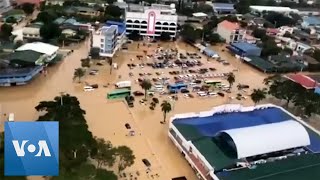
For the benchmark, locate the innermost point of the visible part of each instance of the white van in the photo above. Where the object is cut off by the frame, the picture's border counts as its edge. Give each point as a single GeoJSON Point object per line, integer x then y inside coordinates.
{"type": "Point", "coordinates": [88, 88]}
{"type": "Point", "coordinates": [123, 84]}
{"type": "Point", "coordinates": [202, 94]}
{"type": "Point", "coordinates": [11, 117]}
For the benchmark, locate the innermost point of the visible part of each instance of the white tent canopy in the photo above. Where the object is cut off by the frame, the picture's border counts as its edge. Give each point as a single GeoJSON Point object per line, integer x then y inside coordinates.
{"type": "Point", "coordinates": [262, 139]}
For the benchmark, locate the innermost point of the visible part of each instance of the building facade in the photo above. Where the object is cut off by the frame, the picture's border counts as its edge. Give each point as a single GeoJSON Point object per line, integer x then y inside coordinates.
{"type": "Point", "coordinates": [108, 39]}
{"type": "Point", "coordinates": [152, 20]}
{"type": "Point", "coordinates": [231, 32]}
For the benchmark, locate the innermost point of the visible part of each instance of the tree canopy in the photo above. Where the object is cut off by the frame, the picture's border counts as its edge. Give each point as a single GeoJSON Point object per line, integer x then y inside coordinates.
{"type": "Point", "coordinates": [77, 143]}
{"type": "Point", "coordinates": [28, 8]}
{"type": "Point", "coordinates": [6, 30]}
{"type": "Point", "coordinates": [50, 31]}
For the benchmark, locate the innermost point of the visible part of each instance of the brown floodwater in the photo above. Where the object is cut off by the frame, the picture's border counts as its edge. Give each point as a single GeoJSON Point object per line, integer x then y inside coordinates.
{"type": "Point", "coordinates": [106, 118]}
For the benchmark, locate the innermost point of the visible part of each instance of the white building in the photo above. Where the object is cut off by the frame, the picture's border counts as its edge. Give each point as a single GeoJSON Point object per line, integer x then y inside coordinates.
{"type": "Point", "coordinates": [152, 20]}
{"type": "Point", "coordinates": [260, 9]}
{"type": "Point", "coordinates": [108, 40]}
{"type": "Point", "coordinates": [44, 48]}
{"type": "Point", "coordinates": [231, 32]}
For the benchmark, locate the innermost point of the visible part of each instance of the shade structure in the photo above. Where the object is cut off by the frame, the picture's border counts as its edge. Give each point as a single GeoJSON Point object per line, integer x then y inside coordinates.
{"type": "Point", "coordinates": [262, 139]}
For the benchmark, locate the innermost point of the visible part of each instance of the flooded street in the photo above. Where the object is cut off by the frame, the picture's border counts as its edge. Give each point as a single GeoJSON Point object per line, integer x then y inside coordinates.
{"type": "Point", "coordinates": [106, 118]}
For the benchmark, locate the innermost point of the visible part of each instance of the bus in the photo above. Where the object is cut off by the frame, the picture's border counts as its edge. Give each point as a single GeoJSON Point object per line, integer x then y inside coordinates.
{"type": "Point", "coordinates": [212, 82]}
{"type": "Point", "coordinates": [119, 93]}
{"type": "Point", "coordinates": [176, 87]}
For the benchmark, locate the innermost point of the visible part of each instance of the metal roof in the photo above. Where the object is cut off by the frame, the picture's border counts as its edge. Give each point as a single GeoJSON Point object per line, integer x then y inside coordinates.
{"type": "Point", "coordinates": [262, 139]}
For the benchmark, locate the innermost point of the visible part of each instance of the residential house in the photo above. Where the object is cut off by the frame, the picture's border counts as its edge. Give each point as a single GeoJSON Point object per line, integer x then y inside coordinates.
{"type": "Point", "coordinates": [272, 31]}
{"type": "Point", "coordinates": [298, 46]}
{"type": "Point", "coordinates": [47, 49]}
{"type": "Point", "coordinates": [231, 32]}
{"type": "Point", "coordinates": [32, 31]}
{"type": "Point", "coordinates": [284, 29]}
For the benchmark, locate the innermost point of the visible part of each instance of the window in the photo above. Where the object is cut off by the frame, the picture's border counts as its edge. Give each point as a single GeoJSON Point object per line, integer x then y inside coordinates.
{"type": "Point", "coordinates": [102, 40]}
{"type": "Point", "coordinates": [101, 45]}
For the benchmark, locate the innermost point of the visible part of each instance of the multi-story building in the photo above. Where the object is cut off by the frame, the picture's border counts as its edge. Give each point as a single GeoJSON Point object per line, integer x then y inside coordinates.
{"type": "Point", "coordinates": [5, 6]}
{"type": "Point", "coordinates": [231, 32]}
{"type": "Point", "coordinates": [109, 39]}
{"type": "Point", "coordinates": [151, 20]}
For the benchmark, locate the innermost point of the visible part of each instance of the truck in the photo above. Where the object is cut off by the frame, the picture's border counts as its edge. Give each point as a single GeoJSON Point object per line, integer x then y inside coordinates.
{"type": "Point", "coordinates": [123, 84]}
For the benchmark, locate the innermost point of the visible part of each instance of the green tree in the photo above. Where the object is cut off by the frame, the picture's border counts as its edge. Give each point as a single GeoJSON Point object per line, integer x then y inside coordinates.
{"type": "Point", "coordinates": [46, 17]}
{"type": "Point", "coordinates": [165, 108]}
{"type": "Point", "coordinates": [113, 11]}
{"type": "Point", "coordinates": [28, 8]}
{"type": "Point", "coordinates": [231, 79]}
{"type": "Point", "coordinates": [259, 33]}
{"type": "Point", "coordinates": [111, 1]}
{"type": "Point", "coordinates": [85, 62]}
{"type": "Point", "coordinates": [188, 33]}
{"type": "Point", "coordinates": [50, 31]}
{"type": "Point", "coordinates": [6, 30]}
{"type": "Point", "coordinates": [11, 20]}
{"type": "Point", "coordinates": [242, 6]}
{"type": "Point", "coordinates": [146, 85]}
{"type": "Point", "coordinates": [126, 157]}
{"type": "Point", "coordinates": [78, 73]}
{"type": "Point", "coordinates": [286, 90]}
{"type": "Point", "coordinates": [270, 47]}
{"type": "Point", "coordinates": [258, 95]}
{"type": "Point", "coordinates": [103, 153]}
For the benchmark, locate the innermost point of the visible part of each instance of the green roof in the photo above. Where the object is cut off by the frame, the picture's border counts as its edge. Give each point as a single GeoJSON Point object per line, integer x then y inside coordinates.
{"type": "Point", "coordinates": [293, 168]}
{"type": "Point", "coordinates": [189, 132]}
{"type": "Point", "coordinates": [24, 57]}
{"type": "Point", "coordinates": [213, 153]}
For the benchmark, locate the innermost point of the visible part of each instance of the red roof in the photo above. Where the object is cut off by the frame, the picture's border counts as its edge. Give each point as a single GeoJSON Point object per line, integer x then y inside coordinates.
{"type": "Point", "coordinates": [305, 81]}
{"type": "Point", "coordinates": [229, 25]}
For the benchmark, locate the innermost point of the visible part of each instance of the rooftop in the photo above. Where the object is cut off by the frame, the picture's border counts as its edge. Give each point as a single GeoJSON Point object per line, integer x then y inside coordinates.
{"type": "Point", "coordinates": [40, 47]}
{"type": "Point", "coordinates": [303, 80]}
{"type": "Point", "coordinates": [223, 6]}
{"type": "Point", "coordinates": [273, 8]}
{"type": "Point", "coordinates": [25, 57]}
{"type": "Point", "coordinates": [202, 130]}
{"type": "Point", "coordinates": [245, 46]}
{"type": "Point", "coordinates": [312, 20]}
{"type": "Point", "coordinates": [305, 166]}
{"type": "Point", "coordinates": [229, 25]}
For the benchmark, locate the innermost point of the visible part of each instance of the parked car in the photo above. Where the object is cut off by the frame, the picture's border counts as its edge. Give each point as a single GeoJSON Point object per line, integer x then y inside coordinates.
{"type": "Point", "coordinates": [220, 94]}
{"type": "Point", "coordinates": [138, 93]}
{"type": "Point", "coordinates": [184, 91]}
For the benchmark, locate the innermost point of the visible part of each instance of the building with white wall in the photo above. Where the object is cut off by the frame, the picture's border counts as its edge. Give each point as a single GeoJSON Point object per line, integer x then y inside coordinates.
{"type": "Point", "coordinates": [47, 49]}
{"type": "Point", "coordinates": [109, 39]}
{"type": "Point", "coordinates": [260, 9]}
{"type": "Point", "coordinates": [151, 20]}
{"type": "Point", "coordinates": [236, 142]}
{"type": "Point", "coordinates": [231, 32]}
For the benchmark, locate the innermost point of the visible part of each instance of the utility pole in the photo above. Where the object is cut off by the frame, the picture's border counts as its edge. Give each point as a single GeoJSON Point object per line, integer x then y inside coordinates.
{"type": "Point", "coordinates": [61, 98]}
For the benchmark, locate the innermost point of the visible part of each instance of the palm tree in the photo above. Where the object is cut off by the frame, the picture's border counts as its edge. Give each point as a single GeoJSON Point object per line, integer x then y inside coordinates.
{"type": "Point", "coordinates": [257, 95]}
{"type": "Point", "coordinates": [271, 79]}
{"type": "Point", "coordinates": [78, 73]}
{"type": "Point", "coordinates": [165, 108]}
{"type": "Point", "coordinates": [146, 85]}
{"type": "Point", "coordinates": [231, 79]}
